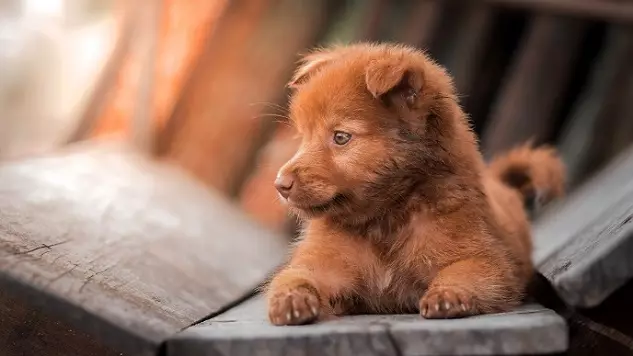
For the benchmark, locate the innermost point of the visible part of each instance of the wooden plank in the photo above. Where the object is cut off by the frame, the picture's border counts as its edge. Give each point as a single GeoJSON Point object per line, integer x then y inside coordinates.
{"type": "Point", "coordinates": [597, 261]}
{"type": "Point", "coordinates": [245, 330]}
{"type": "Point", "coordinates": [609, 11]}
{"type": "Point", "coordinates": [122, 248]}
{"type": "Point", "coordinates": [360, 19]}
{"type": "Point", "coordinates": [142, 129]}
{"type": "Point", "coordinates": [183, 29]}
{"type": "Point", "coordinates": [613, 132]}
{"type": "Point", "coordinates": [467, 35]}
{"type": "Point", "coordinates": [589, 128]}
{"type": "Point", "coordinates": [467, 52]}
{"type": "Point", "coordinates": [221, 99]}
{"type": "Point", "coordinates": [583, 244]}
{"type": "Point", "coordinates": [103, 88]}
{"type": "Point", "coordinates": [374, 16]}
{"type": "Point", "coordinates": [566, 218]}
{"type": "Point", "coordinates": [481, 88]}
{"type": "Point", "coordinates": [530, 99]}
{"type": "Point", "coordinates": [421, 24]}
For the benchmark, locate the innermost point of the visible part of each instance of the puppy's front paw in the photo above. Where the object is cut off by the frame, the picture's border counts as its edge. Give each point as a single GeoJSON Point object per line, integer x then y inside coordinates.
{"type": "Point", "coordinates": [446, 302]}
{"type": "Point", "coordinates": [294, 306]}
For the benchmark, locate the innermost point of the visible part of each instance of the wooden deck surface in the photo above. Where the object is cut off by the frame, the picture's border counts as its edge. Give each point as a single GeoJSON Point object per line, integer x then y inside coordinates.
{"type": "Point", "coordinates": [245, 330]}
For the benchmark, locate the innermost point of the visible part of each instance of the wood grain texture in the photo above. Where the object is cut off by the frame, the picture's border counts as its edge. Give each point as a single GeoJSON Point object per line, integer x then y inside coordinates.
{"type": "Point", "coordinates": [123, 248]}
{"type": "Point", "coordinates": [245, 330]}
{"type": "Point", "coordinates": [583, 244]}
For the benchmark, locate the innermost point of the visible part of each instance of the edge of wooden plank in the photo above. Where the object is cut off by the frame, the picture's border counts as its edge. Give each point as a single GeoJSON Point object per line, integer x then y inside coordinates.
{"type": "Point", "coordinates": [245, 330]}
{"type": "Point", "coordinates": [125, 340]}
{"type": "Point", "coordinates": [598, 261]}
{"type": "Point", "coordinates": [583, 244]}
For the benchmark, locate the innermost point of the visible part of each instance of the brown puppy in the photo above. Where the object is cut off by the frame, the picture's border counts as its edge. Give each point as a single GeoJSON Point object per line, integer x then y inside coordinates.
{"type": "Point", "coordinates": [401, 214]}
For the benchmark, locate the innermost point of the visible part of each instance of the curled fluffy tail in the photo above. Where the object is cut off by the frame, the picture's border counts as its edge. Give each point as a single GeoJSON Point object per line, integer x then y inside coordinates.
{"type": "Point", "coordinates": [537, 173]}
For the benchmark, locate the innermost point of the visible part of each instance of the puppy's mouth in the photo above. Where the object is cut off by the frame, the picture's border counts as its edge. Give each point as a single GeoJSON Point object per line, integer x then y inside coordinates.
{"type": "Point", "coordinates": [322, 208]}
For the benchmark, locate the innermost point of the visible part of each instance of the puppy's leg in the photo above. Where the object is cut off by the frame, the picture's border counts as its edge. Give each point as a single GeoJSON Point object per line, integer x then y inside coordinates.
{"type": "Point", "coordinates": [470, 287]}
{"type": "Point", "coordinates": [301, 292]}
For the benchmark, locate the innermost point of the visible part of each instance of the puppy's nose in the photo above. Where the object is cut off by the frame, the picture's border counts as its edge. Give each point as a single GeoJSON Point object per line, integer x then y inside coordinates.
{"type": "Point", "coordinates": [284, 184]}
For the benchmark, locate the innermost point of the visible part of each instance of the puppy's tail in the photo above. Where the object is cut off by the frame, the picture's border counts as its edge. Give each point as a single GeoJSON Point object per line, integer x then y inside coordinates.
{"type": "Point", "coordinates": [537, 173]}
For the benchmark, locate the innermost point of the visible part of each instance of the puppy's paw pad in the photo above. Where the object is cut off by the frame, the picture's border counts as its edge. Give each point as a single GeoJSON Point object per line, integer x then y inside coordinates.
{"type": "Point", "coordinates": [446, 302]}
{"type": "Point", "coordinates": [294, 306]}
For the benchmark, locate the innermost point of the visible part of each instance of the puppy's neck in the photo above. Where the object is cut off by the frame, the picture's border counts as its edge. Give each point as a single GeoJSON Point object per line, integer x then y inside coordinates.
{"type": "Point", "coordinates": [386, 222]}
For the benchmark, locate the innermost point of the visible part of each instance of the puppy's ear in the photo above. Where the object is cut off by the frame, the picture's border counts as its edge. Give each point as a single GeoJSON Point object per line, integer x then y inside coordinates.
{"type": "Point", "coordinates": [311, 63]}
{"type": "Point", "coordinates": [395, 75]}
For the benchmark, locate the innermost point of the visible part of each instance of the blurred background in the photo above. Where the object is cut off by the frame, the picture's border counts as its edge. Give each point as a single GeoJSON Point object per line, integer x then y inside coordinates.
{"type": "Point", "coordinates": [201, 84]}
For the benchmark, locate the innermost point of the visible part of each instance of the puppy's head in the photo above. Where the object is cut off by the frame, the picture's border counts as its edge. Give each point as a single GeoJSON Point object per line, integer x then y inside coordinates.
{"type": "Point", "coordinates": [368, 119]}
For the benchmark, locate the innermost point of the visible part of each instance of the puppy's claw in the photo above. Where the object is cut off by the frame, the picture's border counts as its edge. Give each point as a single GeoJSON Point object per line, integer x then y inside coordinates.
{"type": "Point", "coordinates": [444, 302]}
{"type": "Point", "coordinates": [295, 306]}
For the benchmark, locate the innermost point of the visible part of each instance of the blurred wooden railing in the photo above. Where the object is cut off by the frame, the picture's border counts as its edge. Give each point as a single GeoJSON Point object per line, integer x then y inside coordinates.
{"type": "Point", "coordinates": [555, 71]}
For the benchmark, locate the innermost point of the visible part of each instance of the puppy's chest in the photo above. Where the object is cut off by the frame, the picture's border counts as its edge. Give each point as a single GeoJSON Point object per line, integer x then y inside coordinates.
{"type": "Point", "coordinates": [392, 289]}
{"type": "Point", "coordinates": [408, 266]}
{"type": "Point", "coordinates": [394, 277]}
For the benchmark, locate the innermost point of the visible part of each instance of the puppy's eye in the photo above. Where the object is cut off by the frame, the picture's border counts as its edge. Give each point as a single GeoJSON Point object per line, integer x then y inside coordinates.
{"type": "Point", "coordinates": [341, 138]}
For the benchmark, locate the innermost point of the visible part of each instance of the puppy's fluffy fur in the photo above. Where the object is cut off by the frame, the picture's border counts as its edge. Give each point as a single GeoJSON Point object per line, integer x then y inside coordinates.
{"type": "Point", "coordinates": [404, 216]}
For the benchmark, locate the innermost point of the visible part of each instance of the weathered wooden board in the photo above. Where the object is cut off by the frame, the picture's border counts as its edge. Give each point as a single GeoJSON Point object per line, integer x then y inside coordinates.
{"type": "Point", "coordinates": [122, 248]}
{"type": "Point", "coordinates": [584, 244]}
{"type": "Point", "coordinates": [245, 330]}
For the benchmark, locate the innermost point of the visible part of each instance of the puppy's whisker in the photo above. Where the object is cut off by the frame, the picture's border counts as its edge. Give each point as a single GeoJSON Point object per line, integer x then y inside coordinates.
{"type": "Point", "coordinates": [451, 98]}
{"type": "Point", "coordinates": [280, 116]}
{"type": "Point", "coordinates": [269, 105]}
